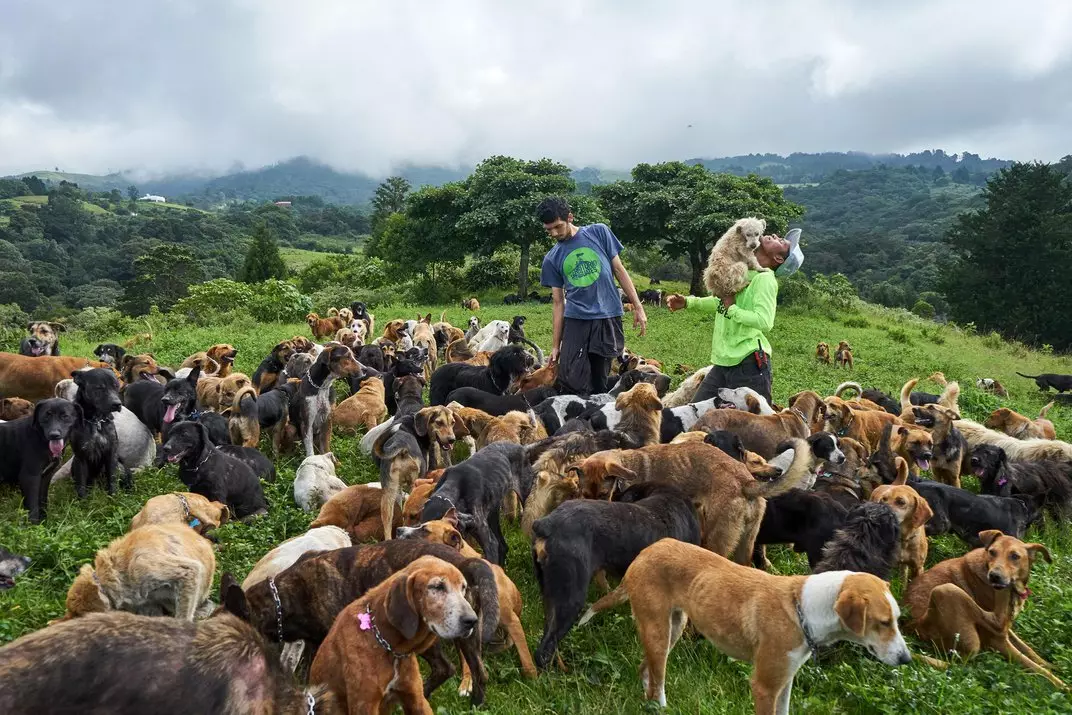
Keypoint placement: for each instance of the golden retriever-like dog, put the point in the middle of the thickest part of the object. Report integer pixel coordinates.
(733, 255)
(217, 361)
(1016, 425)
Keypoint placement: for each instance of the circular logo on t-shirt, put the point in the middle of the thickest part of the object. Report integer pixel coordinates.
(582, 267)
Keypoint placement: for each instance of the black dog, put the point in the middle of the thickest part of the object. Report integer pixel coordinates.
(252, 458)
(512, 299)
(210, 472)
(94, 440)
(651, 297)
(632, 377)
(966, 514)
(401, 368)
(883, 400)
(1061, 383)
(583, 536)
(477, 488)
(11, 565)
(371, 356)
(499, 405)
(30, 450)
(805, 519)
(215, 423)
(868, 541)
(267, 373)
(1047, 482)
(109, 353)
(507, 364)
(160, 406)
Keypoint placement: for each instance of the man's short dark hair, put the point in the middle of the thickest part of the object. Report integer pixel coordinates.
(552, 209)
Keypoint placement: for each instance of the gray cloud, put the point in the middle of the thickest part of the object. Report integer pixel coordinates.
(202, 84)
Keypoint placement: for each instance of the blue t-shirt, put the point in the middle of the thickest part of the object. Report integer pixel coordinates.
(581, 266)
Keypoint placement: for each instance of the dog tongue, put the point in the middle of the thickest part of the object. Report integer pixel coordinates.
(169, 413)
(55, 446)
(924, 463)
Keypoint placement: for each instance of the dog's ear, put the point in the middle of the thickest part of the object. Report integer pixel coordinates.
(617, 469)
(232, 597)
(988, 537)
(29, 326)
(1037, 550)
(225, 512)
(460, 430)
(58, 327)
(420, 423)
(922, 513)
(400, 610)
(851, 608)
(195, 373)
(451, 517)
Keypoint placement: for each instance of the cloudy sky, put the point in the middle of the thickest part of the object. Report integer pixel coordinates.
(208, 84)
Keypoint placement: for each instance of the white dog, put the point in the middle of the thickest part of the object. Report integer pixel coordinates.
(732, 257)
(322, 538)
(473, 328)
(747, 399)
(316, 482)
(493, 328)
(499, 337)
(687, 389)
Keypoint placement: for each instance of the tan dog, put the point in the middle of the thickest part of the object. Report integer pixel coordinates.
(158, 568)
(191, 510)
(12, 408)
(864, 426)
(729, 501)
(218, 393)
(356, 510)
(733, 255)
(446, 531)
(366, 407)
(444, 427)
(243, 423)
(915, 445)
(393, 330)
(348, 338)
(458, 350)
(843, 355)
(35, 378)
(471, 304)
(324, 328)
(369, 657)
(424, 337)
(1016, 425)
(641, 413)
(913, 513)
(138, 367)
(774, 622)
(411, 510)
(763, 433)
(822, 353)
(970, 603)
(217, 361)
(549, 491)
(540, 377)
(449, 330)
(517, 427)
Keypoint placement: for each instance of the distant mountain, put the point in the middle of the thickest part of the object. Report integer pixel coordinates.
(89, 182)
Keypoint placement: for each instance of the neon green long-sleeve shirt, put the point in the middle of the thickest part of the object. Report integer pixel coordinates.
(745, 322)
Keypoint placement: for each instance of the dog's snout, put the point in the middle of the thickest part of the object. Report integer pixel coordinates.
(904, 657)
(975, 461)
(997, 579)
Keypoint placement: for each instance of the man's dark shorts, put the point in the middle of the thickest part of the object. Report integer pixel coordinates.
(747, 373)
(583, 340)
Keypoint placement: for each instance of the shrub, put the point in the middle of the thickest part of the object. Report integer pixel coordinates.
(445, 288)
(795, 290)
(356, 271)
(855, 321)
(13, 320)
(213, 298)
(498, 270)
(923, 309)
(899, 335)
(277, 301)
(836, 289)
(100, 324)
(994, 341)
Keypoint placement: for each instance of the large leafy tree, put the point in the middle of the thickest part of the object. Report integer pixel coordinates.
(161, 277)
(425, 237)
(262, 260)
(684, 209)
(1010, 262)
(389, 198)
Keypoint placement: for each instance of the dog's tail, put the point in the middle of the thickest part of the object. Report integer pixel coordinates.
(443, 316)
(906, 393)
(368, 442)
(246, 399)
(950, 396)
(797, 472)
(534, 346)
(1045, 409)
(1029, 377)
(849, 386)
(612, 600)
(481, 579)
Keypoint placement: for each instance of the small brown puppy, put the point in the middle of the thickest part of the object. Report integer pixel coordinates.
(12, 408)
(1016, 425)
(843, 356)
(913, 512)
(323, 328)
(446, 531)
(356, 510)
(369, 657)
(191, 510)
(822, 353)
(366, 407)
(970, 603)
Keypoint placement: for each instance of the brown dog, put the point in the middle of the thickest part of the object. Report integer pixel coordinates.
(218, 393)
(217, 361)
(393, 330)
(641, 413)
(540, 377)
(138, 367)
(517, 427)
(243, 423)
(913, 513)
(729, 501)
(446, 531)
(763, 433)
(774, 622)
(843, 356)
(471, 304)
(43, 339)
(822, 353)
(864, 426)
(422, 490)
(191, 510)
(369, 658)
(356, 510)
(549, 491)
(324, 328)
(366, 407)
(424, 337)
(35, 378)
(970, 603)
(1016, 425)
(12, 408)
(154, 569)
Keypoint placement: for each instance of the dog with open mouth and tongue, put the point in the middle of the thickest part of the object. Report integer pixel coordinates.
(31, 447)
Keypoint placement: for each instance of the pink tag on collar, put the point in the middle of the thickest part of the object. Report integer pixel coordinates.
(1025, 594)
(364, 621)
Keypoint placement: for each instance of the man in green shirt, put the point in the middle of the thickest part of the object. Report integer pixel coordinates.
(740, 351)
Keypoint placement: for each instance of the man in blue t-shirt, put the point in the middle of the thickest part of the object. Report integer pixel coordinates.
(580, 270)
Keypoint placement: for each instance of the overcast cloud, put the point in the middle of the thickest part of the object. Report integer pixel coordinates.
(203, 84)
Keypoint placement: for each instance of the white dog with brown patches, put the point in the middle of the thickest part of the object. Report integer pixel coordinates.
(774, 622)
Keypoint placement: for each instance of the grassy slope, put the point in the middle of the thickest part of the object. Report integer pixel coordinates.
(298, 258)
(42, 200)
(603, 656)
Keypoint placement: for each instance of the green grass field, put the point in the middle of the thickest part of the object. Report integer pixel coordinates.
(603, 656)
(298, 258)
(42, 200)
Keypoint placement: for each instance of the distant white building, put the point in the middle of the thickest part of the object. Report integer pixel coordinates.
(154, 198)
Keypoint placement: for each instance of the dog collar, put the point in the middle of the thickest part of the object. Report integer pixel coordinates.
(367, 622)
(99, 421)
(799, 414)
(195, 415)
(278, 605)
(185, 507)
(1002, 481)
(205, 459)
(812, 645)
(310, 704)
(447, 500)
(309, 377)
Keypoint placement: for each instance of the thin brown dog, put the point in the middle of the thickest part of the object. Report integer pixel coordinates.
(763, 433)
(1016, 425)
(35, 378)
(913, 512)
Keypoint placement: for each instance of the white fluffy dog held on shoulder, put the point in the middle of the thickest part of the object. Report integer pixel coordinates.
(733, 256)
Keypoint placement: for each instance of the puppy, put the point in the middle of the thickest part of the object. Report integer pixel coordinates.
(315, 481)
(158, 569)
(775, 622)
(822, 353)
(186, 508)
(471, 304)
(11, 565)
(913, 512)
(356, 510)
(1016, 425)
(733, 255)
(989, 384)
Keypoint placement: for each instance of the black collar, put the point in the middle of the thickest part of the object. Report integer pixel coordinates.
(812, 645)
